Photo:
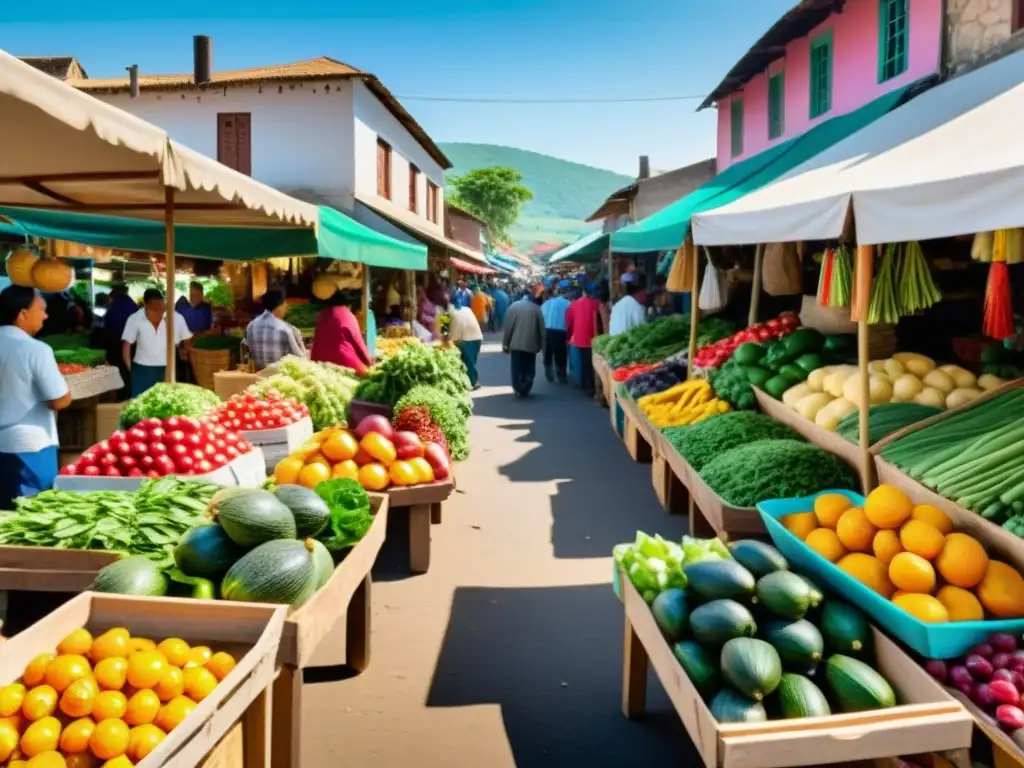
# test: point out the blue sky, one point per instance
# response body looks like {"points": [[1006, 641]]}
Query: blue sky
{"points": [[502, 49]]}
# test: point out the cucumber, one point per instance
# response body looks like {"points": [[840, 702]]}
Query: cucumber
{"points": [[758, 558], [856, 687], [785, 594], [799, 697], [716, 622], [844, 628], [752, 667], [816, 596], [799, 643], [719, 579], [699, 666], [730, 707], [670, 612]]}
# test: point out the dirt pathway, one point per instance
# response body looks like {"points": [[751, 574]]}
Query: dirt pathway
{"points": [[508, 652]]}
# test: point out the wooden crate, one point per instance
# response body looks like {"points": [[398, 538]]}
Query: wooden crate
{"points": [[639, 434], [425, 505], [602, 380], [672, 494], [108, 417], [929, 720], [1005, 751]]}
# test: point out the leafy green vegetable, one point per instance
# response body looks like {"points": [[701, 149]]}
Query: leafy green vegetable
{"points": [[701, 442], [658, 339], [417, 365], [217, 341], [447, 412], [303, 315], [351, 513], [80, 356], [654, 565], [66, 340], [164, 400], [325, 389]]}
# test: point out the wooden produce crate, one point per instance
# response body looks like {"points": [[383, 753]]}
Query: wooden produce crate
{"points": [[425, 505], [602, 380], [250, 631], [927, 720], [638, 432], [1005, 752], [673, 495], [226, 384]]}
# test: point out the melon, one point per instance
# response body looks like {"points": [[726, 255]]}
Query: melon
{"points": [[52, 275], [282, 571], [19, 267], [324, 287], [252, 517]]}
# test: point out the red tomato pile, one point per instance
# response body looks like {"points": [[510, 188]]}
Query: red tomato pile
{"points": [[70, 369], [248, 413], [626, 372], [714, 355], [158, 447]]}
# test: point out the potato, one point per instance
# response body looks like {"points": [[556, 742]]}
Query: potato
{"points": [[988, 381], [962, 396], [939, 380], [905, 388], [919, 365], [795, 393], [809, 406], [931, 396], [830, 416], [816, 381], [834, 381], [963, 378], [879, 390], [894, 369], [876, 366]]}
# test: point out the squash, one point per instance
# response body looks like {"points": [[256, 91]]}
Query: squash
{"points": [[52, 275], [931, 396], [809, 406], [919, 365], [879, 390], [963, 378], [939, 380], [962, 396], [19, 267], [795, 393], [324, 286], [988, 381], [906, 388], [834, 381]]}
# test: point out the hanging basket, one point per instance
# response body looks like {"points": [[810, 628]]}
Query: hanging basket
{"points": [[207, 362]]}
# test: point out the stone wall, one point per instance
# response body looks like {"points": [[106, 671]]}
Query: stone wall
{"points": [[978, 31]]}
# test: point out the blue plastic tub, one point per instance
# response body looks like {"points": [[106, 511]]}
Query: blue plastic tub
{"points": [[933, 641]]}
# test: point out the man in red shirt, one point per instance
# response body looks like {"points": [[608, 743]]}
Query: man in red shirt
{"points": [[338, 339], [581, 326]]}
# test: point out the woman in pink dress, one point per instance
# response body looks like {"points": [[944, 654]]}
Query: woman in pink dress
{"points": [[338, 339]]}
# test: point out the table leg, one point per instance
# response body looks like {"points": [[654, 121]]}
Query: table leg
{"points": [[435, 513], [256, 732], [419, 538], [634, 674], [357, 628], [286, 718], [700, 528], [3, 611]]}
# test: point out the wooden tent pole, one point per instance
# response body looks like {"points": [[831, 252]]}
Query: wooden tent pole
{"points": [[694, 310], [171, 265], [865, 264], [755, 290]]}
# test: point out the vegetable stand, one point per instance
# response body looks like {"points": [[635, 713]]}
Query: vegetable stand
{"points": [[639, 434], [603, 380], [424, 504]]}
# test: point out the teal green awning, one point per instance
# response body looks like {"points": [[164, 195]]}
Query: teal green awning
{"points": [[338, 237], [583, 251], [667, 229]]}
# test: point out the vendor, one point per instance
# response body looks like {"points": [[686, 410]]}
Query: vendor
{"points": [[198, 314], [147, 331], [338, 339], [33, 390], [269, 337]]}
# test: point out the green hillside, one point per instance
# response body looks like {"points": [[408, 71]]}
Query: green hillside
{"points": [[564, 193]]}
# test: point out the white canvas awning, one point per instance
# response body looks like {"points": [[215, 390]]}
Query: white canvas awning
{"points": [[949, 162], [63, 149]]}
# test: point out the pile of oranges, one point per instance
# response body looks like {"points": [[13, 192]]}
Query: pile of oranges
{"points": [[105, 701]]}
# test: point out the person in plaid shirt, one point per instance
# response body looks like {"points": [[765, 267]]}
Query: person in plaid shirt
{"points": [[270, 338]]}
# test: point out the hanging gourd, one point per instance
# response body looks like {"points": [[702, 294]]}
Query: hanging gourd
{"points": [[19, 266], [52, 275], [324, 286]]}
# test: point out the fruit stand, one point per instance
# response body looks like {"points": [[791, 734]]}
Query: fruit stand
{"points": [[424, 506]]}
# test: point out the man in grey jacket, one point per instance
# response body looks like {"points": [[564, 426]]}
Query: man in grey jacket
{"points": [[523, 339]]}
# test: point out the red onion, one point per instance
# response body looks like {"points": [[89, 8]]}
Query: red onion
{"points": [[982, 649], [961, 677], [1004, 692], [937, 669], [1004, 642], [982, 696], [979, 667], [1010, 717]]}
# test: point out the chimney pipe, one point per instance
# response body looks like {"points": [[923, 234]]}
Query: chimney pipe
{"points": [[202, 58], [645, 168], [133, 80]]}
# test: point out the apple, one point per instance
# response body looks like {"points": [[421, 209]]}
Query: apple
{"points": [[438, 460], [407, 445], [374, 423]]}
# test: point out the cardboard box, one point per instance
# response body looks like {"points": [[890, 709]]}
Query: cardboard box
{"points": [[247, 471], [279, 443], [108, 417], [226, 384]]}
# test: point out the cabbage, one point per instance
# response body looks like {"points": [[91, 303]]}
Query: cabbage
{"points": [[654, 564]]}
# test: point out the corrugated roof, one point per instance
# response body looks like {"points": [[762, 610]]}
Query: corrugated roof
{"points": [[797, 22], [322, 68], [61, 67]]}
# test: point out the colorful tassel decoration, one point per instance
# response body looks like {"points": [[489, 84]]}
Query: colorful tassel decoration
{"points": [[998, 303]]}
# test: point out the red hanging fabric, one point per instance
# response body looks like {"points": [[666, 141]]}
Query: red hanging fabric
{"points": [[998, 322]]}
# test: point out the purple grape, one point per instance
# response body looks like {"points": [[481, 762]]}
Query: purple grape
{"points": [[937, 669], [1004, 642], [982, 649], [1004, 692], [1003, 674], [1010, 717], [960, 676], [982, 696], [979, 667], [1001, 660]]}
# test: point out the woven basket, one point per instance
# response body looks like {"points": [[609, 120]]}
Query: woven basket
{"points": [[206, 362]]}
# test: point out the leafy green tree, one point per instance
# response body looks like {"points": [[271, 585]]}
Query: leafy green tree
{"points": [[494, 195]]}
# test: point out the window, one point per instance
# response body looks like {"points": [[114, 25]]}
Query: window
{"points": [[234, 141], [1018, 15], [383, 169], [893, 32], [821, 74], [432, 202], [414, 180], [776, 105], [736, 116]]}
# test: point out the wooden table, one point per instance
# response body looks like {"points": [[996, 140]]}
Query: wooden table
{"points": [[639, 434], [425, 505]]}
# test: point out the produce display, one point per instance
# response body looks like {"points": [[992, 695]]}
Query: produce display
{"points": [[714, 355], [107, 699], [912, 555], [702, 442], [304, 315], [325, 389], [973, 457], [80, 357], [659, 378], [449, 413], [387, 346], [156, 447], [688, 403], [626, 372], [658, 339], [417, 365], [779, 365], [373, 454], [148, 522], [774, 469], [165, 400], [27, 268], [71, 369], [902, 286], [757, 640], [884, 419], [246, 412]]}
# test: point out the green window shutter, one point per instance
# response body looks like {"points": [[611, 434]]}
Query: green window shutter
{"points": [[776, 105], [736, 117], [893, 37], [821, 74]]}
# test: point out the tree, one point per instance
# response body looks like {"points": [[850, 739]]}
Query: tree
{"points": [[494, 195]]}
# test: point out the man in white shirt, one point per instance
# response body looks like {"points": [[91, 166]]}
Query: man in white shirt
{"points": [[147, 331], [629, 311], [467, 335], [32, 390]]}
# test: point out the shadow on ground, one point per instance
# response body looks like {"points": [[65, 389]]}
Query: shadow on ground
{"points": [[552, 659]]}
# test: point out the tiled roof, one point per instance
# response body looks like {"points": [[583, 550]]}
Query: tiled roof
{"points": [[61, 67]]}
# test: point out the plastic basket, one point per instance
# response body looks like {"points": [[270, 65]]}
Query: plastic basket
{"points": [[933, 641]]}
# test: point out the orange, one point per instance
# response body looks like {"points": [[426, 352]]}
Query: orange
{"points": [[109, 705], [11, 698], [922, 539], [934, 516], [146, 668], [221, 664], [962, 561], [341, 446], [121, 761], [312, 475], [111, 674], [76, 734], [41, 736], [869, 571], [142, 740], [8, 740], [175, 650], [912, 573], [113, 642], [287, 470], [35, 672], [40, 702], [319, 459], [886, 545], [960, 604], [829, 507], [923, 607], [1002, 591], [141, 644], [199, 683], [345, 470], [887, 507], [171, 684], [307, 450], [826, 543], [49, 759], [800, 524], [78, 698], [109, 739], [82, 760], [198, 656], [374, 477], [78, 642], [423, 469], [403, 473], [64, 670], [142, 708], [855, 530], [379, 447], [173, 713]]}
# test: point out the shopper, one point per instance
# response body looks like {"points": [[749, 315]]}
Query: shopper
{"points": [[581, 326], [480, 303], [338, 338], [269, 337], [555, 351], [501, 303], [147, 332], [198, 314], [465, 332], [33, 391], [461, 296], [522, 340], [426, 310], [120, 308], [629, 311]]}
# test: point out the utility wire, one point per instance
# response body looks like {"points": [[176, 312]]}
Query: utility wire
{"points": [[617, 100]]}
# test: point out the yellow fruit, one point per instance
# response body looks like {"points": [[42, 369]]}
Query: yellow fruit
{"points": [[50, 759], [923, 608], [82, 760], [111, 674], [800, 524], [11, 698], [869, 571], [287, 470], [142, 740], [198, 656], [829, 507], [142, 708], [35, 672], [175, 650], [313, 474], [146, 668], [402, 473], [826, 543], [899, 593], [960, 604], [424, 471], [109, 705], [8, 740], [922, 539], [962, 561], [374, 477], [43, 735], [65, 669], [109, 739], [113, 642], [887, 507], [76, 735], [856, 531], [340, 446], [173, 713], [40, 702], [221, 664], [199, 683], [886, 545], [934, 516], [78, 642], [121, 761], [79, 698], [141, 644], [171, 684], [345, 470], [1002, 591], [912, 573]]}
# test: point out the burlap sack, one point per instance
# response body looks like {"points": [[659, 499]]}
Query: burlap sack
{"points": [[680, 278], [781, 272]]}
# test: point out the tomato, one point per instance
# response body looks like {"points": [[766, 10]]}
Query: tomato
{"points": [[230, 414], [244, 446], [128, 462], [135, 472], [158, 449], [248, 417], [102, 446], [231, 452], [185, 464], [150, 424], [232, 438], [152, 474], [146, 462], [112, 472], [193, 441], [174, 436], [157, 434], [172, 423], [189, 425], [121, 448], [203, 467], [107, 460], [164, 465], [140, 449], [257, 424], [137, 435], [209, 450], [177, 451], [763, 334], [69, 469], [91, 471]]}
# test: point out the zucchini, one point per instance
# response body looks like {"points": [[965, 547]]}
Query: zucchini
{"points": [[758, 558], [799, 697], [730, 707], [698, 665], [785, 594], [751, 666], [799, 644], [719, 579], [670, 613], [716, 622], [856, 687], [844, 628]]}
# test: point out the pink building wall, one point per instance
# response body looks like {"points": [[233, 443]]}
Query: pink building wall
{"points": [[855, 83]]}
